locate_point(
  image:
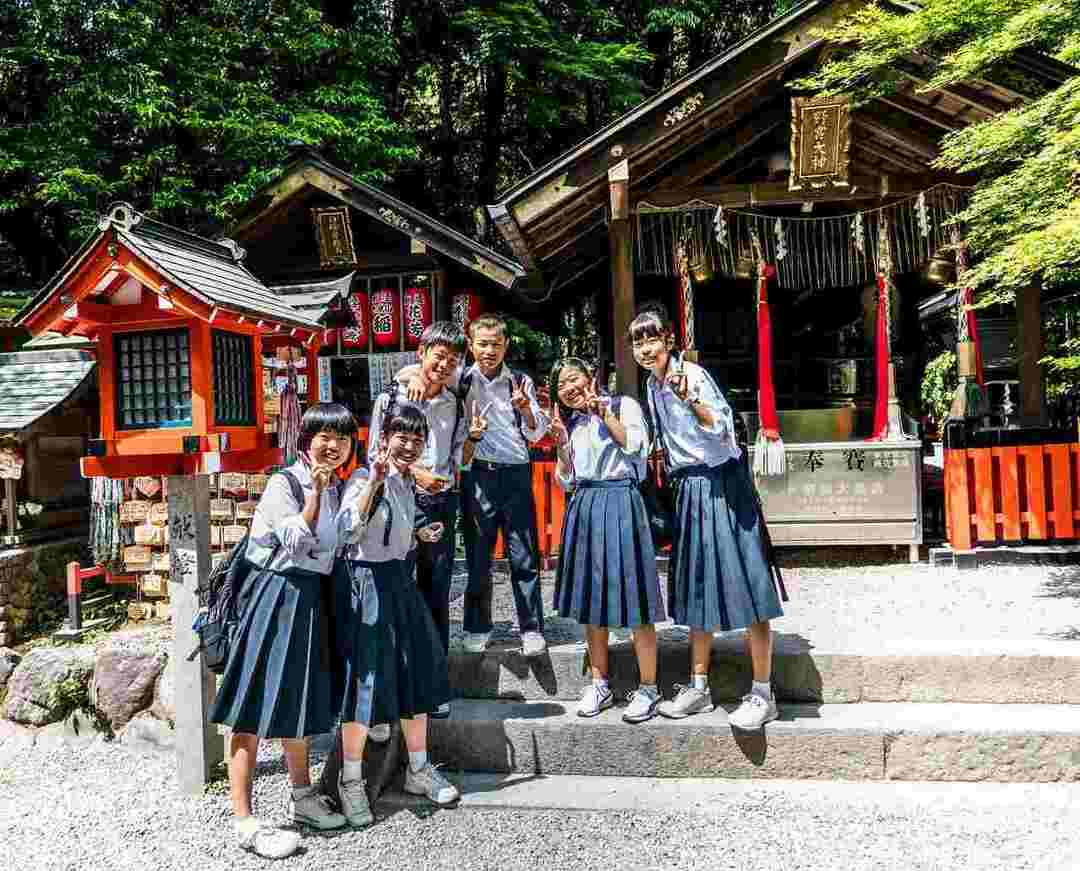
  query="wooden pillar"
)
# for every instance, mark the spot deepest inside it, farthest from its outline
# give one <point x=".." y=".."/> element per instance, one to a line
<point x="622" y="276"/>
<point x="441" y="292"/>
<point x="1029" y="345"/>
<point x="199" y="747"/>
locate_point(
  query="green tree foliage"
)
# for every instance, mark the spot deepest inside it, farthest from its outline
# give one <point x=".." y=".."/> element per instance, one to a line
<point x="1023" y="221"/>
<point x="185" y="107"/>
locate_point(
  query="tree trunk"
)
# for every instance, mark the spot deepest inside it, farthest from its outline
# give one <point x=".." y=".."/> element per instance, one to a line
<point x="495" y="81"/>
<point x="447" y="145"/>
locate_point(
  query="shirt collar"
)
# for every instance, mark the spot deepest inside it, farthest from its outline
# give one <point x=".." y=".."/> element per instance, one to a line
<point x="302" y="472"/>
<point x="503" y="372"/>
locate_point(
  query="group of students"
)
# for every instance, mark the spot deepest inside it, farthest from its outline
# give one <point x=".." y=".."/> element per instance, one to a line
<point x="335" y="628"/>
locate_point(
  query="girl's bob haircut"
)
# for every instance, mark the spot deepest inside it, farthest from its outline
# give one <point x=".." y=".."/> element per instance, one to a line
<point x="579" y="364"/>
<point x="407" y="419"/>
<point x="331" y="417"/>
<point x="651" y="322"/>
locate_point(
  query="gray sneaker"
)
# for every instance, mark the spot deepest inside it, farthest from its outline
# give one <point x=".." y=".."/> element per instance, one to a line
<point x="315" y="810"/>
<point x="380" y="734"/>
<point x="532" y="643"/>
<point x="594" y="700"/>
<point x="476" y="642"/>
<point x="687" y="701"/>
<point x="428" y="781"/>
<point x="642" y="707"/>
<point x="267" y="840"/>
<point x="354" y="803"/>
<point x="754" y="712"/>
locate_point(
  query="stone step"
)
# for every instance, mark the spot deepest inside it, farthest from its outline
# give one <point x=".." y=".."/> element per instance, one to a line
<point x="864" y="741"/>
<point x="1000" y="672"/>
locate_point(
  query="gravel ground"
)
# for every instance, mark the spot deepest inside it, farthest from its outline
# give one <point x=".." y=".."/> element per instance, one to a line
<point x="866" y="599"/>
<point x="102" y="807"/>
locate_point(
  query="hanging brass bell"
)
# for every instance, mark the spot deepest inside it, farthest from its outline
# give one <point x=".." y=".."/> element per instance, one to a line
<point x="701" y="270"/>
<point x="744" y="266"/>
<point x="940" y="270"/>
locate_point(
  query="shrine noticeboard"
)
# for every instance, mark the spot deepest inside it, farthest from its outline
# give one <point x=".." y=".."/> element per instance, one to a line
<point x="846" y="493"/>
<point x="820" y="139"/>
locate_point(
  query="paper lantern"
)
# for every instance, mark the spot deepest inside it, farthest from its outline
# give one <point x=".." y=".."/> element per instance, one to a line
<point x="417" y="315"/>
<point x="466" y="308"/>
<point x="385" y="318"/>
<point x="356" y="335"/>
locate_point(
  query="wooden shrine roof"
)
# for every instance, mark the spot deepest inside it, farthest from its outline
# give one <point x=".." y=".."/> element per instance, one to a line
<point x="33" y="383"/>
<point x="314" y="298"/>
<point x="708" y="136"/>
<point x="310" y="170"/>
<point x="211" y="272"/>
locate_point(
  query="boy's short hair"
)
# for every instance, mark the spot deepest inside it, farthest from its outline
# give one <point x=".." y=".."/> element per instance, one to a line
<point x="445" y="333"/>
<point x="406" y="419"/>
<point x="488" y="322"/>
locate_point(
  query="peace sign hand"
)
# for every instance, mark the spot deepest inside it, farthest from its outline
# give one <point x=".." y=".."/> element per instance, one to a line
<point x="478" y="423"/>
<point x="594" y="403"/>
<point x="677" y="378"/>
<point x="380" y="466"/>
<point x="518" y="397"/>
<point x="558" y="428"/>
<point x="320" y="477"/>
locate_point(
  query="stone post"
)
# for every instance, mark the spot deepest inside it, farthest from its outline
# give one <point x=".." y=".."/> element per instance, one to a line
<point x="199" y="747"/>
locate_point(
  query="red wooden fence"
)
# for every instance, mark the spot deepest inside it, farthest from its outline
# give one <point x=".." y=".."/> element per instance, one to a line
<point x="1011" y="494"/>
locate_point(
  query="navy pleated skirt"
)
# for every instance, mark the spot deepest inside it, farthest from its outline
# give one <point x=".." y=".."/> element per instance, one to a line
<point x="719" y="575"/>
<point x="607" y="563"/>
<point x="393" y="659"/>
<point x="277" y="682"/>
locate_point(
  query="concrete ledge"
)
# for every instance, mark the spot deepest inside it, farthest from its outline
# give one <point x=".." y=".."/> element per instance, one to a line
<point x="991" y="672"/>
<point x="869" y="741"/>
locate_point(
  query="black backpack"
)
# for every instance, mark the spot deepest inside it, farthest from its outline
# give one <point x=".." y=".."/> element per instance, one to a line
<point x="221" y="597"/>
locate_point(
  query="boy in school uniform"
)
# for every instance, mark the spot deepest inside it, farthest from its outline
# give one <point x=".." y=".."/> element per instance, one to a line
<point x="442" y="347"/>
<point x="504" y="420"/>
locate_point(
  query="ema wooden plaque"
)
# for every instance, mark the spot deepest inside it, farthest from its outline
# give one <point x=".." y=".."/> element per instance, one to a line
<point x="221" y="509"/>
<point x="232" y="534"/>
<point x="137" y="558"/>
<point x="159" y="514"/>
<point x="820" y="140"/>
<point x="246" y="510"/>
<point x="232" y="483"/>
<point x="334" y="231"/>
<point x="135" y="511"/>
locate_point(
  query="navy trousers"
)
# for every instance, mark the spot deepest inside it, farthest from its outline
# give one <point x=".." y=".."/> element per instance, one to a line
<point x="434" y="563"/>
<point x="500" y="497"/>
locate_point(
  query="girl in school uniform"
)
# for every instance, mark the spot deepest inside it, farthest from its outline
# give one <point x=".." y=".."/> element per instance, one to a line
<point x="277" y="682"/>
<point x="607" y="565"/>
<point x="393" y="655"/>
<point x="719" y="575"/>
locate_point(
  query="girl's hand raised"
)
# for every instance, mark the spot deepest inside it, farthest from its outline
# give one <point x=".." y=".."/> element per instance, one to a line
<point x="558" y="428"/>
<point x="678" y="381"/>
<point x="380" y="466"/>
<point x="321" y="477"/>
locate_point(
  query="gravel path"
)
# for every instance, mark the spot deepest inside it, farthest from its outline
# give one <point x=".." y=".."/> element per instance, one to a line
<point x="102" y="807"/>
<point x="869" y="599"/>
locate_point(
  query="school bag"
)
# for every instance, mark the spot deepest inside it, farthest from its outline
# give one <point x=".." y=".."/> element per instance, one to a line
<point x="221" y="597"/>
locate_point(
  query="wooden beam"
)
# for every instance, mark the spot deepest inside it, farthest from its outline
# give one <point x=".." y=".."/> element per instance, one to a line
<point x="1029" y="343"/>
<point x="988" y="106"/>
<point x="771" y="193"/>
<point x="921" y="111"/>
<point x="905" y="163"/>
<point x="511" y="232"/>
<point x="911" y="141"/>
<point x="745" y="137"/>
<point x="622" y="276"/>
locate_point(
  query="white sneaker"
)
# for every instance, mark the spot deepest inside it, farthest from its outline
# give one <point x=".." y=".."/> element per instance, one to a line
<point x="687" y="701"/>
<point x="315" y="810"/>
<point x="267" y="840"/>
<point x="532" y="644"/>
<point x="754" y="712"/>
<point x="442" y="712"/>
<point x="380" y="734"/>
<point x="594" y="700"/>
<point x="477" y="642"/>
<point x="428" y="781"/>
<point x="354" y="803"/>
<point x="642" y="707"/>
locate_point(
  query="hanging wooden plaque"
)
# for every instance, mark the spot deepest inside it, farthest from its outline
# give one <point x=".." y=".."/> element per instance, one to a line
<point x="152" y="584"/>
<point x="215" y="536"/>
<point x="135" y="511"/>
<point x="232" y="484"/>
<point x="163" y="610"/>
<point x="146" y="533"/>
<point x="257" y="484"/>
<point x="161" y="562"/>
<point x="221" y="509"/>
<point x="246" y="510"/>
<point x="137" y="558"/>
<point x="232" y="534"/>
<point x="159" y="514"/>
<point x="334" y="230"/>
<point x="148" y="486"/>
<point x="820" y="140"/>
<point x="138" y="611"/>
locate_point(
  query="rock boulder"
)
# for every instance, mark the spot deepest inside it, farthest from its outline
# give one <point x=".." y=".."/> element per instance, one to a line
<point x="35" y="695"/>
<point x="124" y="680"/>
<point x="8" y="660"/>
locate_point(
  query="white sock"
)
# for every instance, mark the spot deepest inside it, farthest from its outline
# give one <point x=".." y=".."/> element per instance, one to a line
<point x="649" y="689"/>
<point x="299" y="792"/>
<point x="244" y="825"/>
<point x="601" y="683"/>
<point x="417" y="760"/>
<point x="701" y="681"/>
<point x="762" y="688"/>
<point x="352" y="770"/>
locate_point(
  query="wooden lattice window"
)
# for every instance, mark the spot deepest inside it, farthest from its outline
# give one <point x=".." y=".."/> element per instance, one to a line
<point x="234" y="381"/>
<point x="153" y="379"/>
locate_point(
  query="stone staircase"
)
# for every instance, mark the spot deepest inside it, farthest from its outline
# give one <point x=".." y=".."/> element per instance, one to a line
<point x="930" y="711"/>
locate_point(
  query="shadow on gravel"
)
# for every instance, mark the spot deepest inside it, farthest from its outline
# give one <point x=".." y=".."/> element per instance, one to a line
<point x="1062" y="583"/>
